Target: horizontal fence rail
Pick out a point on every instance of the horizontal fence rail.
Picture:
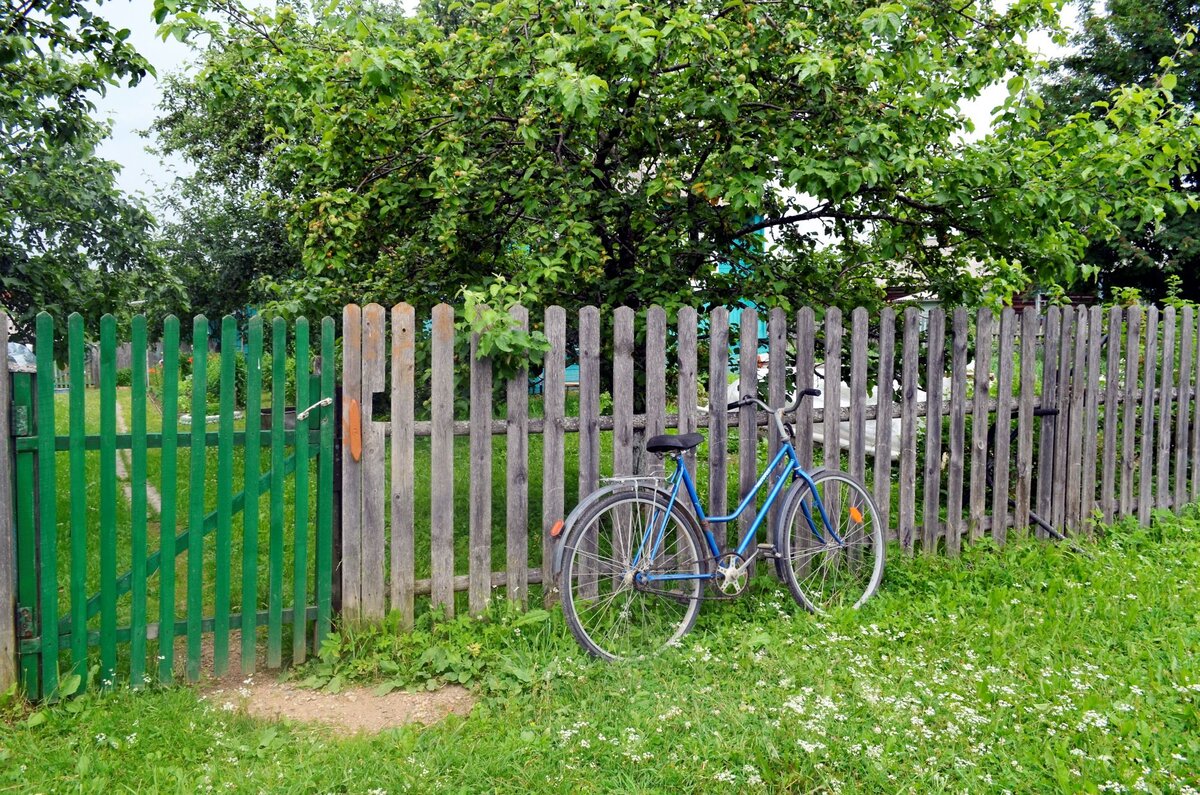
(962, 424)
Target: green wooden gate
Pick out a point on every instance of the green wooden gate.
(155, 540)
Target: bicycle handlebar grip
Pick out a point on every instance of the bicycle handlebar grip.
(811, 392)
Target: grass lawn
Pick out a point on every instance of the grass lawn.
(1030, 669)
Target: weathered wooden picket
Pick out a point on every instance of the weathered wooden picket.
(961, 424)
(918, 420)
(74, 531)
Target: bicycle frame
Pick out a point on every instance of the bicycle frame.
(681, 476)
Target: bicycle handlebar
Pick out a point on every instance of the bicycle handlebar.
(776, 414)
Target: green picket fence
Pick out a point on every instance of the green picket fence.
(93, 498)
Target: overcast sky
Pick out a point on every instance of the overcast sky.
(132, 110)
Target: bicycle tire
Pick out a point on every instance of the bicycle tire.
(664, 614)
(857, 563)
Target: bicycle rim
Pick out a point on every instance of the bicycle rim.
(830, 570)
(611, 609)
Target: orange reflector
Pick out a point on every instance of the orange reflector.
(557, 529)
(856, 514)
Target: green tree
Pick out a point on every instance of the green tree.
(70, 240)
(607, 152)
(1124, 43)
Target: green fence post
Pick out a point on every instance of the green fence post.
(26, 516)
(137, 503)
(275, 549)
(300, 543)
(195, 582)
(224, 552)
(169, 489)
(79, 497)
(47, 503)
(108, 499)
(252, 473)
(324, 581)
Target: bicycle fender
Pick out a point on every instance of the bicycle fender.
(585, 504)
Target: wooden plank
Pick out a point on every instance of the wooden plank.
(138, 512)
(831, 369)
(747, 416)
(1183, 423)
(1048, 426)
(718, 366)
(351, 468)
(325, 465)
(622, 391)
(908, 428)
(404, 329)
(197, 464)
(688, 379)
(1146, 455)
(553, 479)
(1001, 477)
(300, 525)
(80, 489)
(977, 510)
(1025, 404)
(441, 564)
(351, 347)
(1194, 447)
(374, 478)
(1166, 387)
(1066, 381)
(589, 423)
(517, 464)
(1091, 417)
(656, 372)
(251, 473)
(885, 392)
(169, 489)
(1133, 334)
(223, 563)
(47, 498)
(1112, 413)
(589, 400)
(955, 526)
(480, 505)
(777, 377)
(858, 393)
(806, 348)
(1074, 519)
(934, 373)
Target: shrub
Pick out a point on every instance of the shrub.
(124, 376)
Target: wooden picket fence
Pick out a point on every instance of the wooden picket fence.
(1125, 439)
(452, 474)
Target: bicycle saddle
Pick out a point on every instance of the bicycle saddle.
(668, 442)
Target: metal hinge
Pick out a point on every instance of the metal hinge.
(22, 424)
(25, 623)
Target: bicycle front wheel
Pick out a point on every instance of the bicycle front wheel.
(630, 585)
(835, 564)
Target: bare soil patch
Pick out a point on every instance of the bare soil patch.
(352, 711)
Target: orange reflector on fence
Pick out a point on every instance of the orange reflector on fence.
(557, 529)
(856, 515)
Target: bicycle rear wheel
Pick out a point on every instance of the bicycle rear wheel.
(827, 570)
(611, 607)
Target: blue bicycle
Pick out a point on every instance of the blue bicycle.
(635, 563)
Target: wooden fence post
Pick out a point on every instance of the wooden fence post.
(8, 553)
(403, 452)
(553, 485)
(908, 429)
(517, 470)
(718, 367)
(884, 390)
(480, 512)
(374, 478)
(935, 368)
(958, 421)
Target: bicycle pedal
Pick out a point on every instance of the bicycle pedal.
(767, 551)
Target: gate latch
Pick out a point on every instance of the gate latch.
(322, 402)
